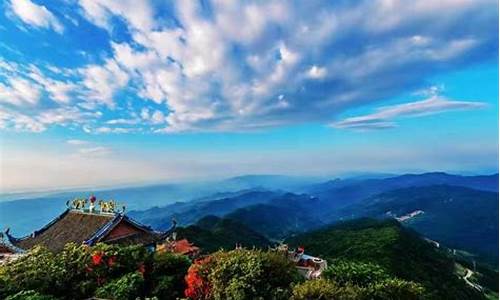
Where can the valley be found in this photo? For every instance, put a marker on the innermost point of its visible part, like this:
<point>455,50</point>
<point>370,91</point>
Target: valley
<point>428,228</point>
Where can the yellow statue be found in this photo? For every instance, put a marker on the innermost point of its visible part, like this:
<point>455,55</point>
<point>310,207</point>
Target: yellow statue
<point>78,203</point>
<point>107,206</point>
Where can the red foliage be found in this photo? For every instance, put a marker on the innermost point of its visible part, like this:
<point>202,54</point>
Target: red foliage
<point>197,286</point>
<point>100,266</point>
<point>97,258</point>
<point>111,261</point>
<point>142,268</point>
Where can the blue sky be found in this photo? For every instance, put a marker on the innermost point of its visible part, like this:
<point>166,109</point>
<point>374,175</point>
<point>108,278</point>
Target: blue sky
<point>101,92</point>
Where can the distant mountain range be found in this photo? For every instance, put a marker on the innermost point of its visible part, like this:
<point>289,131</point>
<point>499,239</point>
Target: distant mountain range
<point>460,217</point>
<point>276,206</point>
<point>336,194</point>
<point>459,212</point>
<point>464,222</point>
<point>189,212</point>
<point>33,210</point>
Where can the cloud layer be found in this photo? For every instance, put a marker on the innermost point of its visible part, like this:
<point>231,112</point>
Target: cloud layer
<point>35,15</point>
<point>237,66</point>
<point>385,116</point>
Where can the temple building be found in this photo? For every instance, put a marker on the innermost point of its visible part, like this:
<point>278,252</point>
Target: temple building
<point>87,225</point>
<point>182,246</point>
<point>308,266</point>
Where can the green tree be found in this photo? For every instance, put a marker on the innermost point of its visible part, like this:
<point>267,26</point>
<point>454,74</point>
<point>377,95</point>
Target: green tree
<point>324,289</point>
<point>38,271</point>
<point>167,275</point>
<point>394,289</point>
<point>127,287</point>
<point>357,273</point>
<point>29,295</point>
<point>78,271</point>
<point>345,279</point>
<point>246,274</point>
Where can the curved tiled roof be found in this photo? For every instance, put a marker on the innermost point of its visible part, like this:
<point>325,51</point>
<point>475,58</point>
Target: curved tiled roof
<point>71,226</point>
<point>89,228</point>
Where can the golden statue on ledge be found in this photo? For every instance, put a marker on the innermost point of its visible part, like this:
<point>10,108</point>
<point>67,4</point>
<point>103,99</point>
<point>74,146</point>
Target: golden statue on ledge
<point>107,206</point>
<point>78,203</point>
<point>110,206</point>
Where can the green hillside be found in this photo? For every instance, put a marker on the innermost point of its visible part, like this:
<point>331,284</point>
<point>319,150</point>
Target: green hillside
<point>398,250</point>
<point>212,233</point>
<point>273,221</point>
<point>458,217</point>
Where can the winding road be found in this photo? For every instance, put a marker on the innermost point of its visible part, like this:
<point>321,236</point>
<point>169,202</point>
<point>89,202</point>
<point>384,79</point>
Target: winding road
<point>474,285</point>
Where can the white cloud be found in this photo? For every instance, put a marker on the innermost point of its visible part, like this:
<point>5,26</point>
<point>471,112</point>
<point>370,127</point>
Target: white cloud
<point>224,65</point>
<point>35,15</point>
<point>122,122</point>
<point>102,82</point>
<point>21,122</point>
<point>145,113</point>
<point>62,116</point>
<point>19,91</point>
<point>385,116</point>
<point>86,149</point>
<point>433,90</point>
<point>105,129</point>
<point>94,151</point>
<point>316,72</point>
<point>59,91</point>
<point>77,142</point>
<point>279,48</point>
<point>158,117</point>
<point>138,14</point>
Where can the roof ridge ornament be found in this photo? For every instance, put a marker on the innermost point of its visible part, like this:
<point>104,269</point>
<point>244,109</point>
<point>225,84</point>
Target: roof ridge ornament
<point>77,203</point>
<point>105,207</point>
<point>110,206</point>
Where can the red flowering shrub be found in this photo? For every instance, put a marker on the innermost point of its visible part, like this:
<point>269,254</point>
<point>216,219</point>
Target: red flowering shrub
<point>100,265</point>
<point>241,274</point>
<point>197,284</point>
<point>81,272</point>
<point>111,261</point>
<point>97,257</point>
<point>141,269</point>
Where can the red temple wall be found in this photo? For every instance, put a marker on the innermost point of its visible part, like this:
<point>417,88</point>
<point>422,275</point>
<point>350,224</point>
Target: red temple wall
<point>122,229</point>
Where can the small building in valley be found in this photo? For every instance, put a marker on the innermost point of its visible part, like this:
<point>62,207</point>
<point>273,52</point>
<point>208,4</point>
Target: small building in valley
<point>308,266</point>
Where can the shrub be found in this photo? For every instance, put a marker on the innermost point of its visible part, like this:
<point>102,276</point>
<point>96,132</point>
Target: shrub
<point>77,271</point>
<point>74,260</point>
<point>357,273</point>
<point>168,275</point>
<point>375,282</point>
<point>29,295</point>
<point>389,289</point>
<point>38,271</point>
<point>241,274</point>
<point>324,289</point>
<point>197,282</point>
<point>129,286</point>
<point>113,260</point>
<point>394,289</point>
